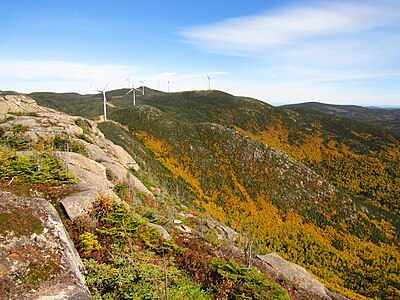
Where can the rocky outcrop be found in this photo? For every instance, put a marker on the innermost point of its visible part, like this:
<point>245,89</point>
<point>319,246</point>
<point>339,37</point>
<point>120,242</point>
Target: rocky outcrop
<point>306,284</point>
<point>17,104</point>
<point>101,156</point>
<point>37,258</point>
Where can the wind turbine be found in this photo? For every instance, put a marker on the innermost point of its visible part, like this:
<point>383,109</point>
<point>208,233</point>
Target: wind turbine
<point>133,90</point>
<point>209,81</point>
<point>168,86</point>
<point>104,101</point>
<point>142,82</point>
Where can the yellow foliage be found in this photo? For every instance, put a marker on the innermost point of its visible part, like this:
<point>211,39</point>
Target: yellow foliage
<point>162,151</point>
<point>329,253</point>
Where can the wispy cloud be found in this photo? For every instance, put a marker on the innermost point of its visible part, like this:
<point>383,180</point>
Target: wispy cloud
<point>326,50</point>
<point>59,70</point>
<point>259,33</point>
<point>30,76</point>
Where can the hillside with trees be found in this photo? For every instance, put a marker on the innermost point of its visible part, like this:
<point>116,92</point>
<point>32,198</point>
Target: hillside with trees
<point>321,190</point>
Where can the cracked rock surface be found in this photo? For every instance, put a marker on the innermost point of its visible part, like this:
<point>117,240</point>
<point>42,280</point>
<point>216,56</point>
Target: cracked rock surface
<point>37,258</point>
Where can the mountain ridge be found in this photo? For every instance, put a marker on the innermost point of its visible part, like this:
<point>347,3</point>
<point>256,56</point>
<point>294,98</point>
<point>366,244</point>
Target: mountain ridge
<point>387,118</point>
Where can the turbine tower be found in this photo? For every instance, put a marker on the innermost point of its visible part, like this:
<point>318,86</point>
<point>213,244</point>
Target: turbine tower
<point>209,82</point>
<point>104,100</point>
<point>142,82</point>
<point>133,90</point>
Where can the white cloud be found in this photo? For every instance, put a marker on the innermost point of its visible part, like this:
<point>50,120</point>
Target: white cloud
<point>28,76</point>
<point>260,33</point>
<point>59,70</point>
<point>63,76</point>
<point>344,51</point>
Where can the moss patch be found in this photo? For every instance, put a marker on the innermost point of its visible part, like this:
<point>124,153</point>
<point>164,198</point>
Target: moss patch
<point>20,222</point>
<point>39,272</point>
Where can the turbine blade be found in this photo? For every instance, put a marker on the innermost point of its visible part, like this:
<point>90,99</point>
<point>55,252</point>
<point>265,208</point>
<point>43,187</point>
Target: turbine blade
<point>106,86</point>
<point>129,91</point>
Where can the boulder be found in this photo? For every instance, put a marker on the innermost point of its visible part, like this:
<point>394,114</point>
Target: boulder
<point>309,286</point>
<point>163,232</point>
<point>137,185</point>
<point>38,260</point>
<point>88,171</point>
<point>123,157</point>
<point>81,203</point>
<point>229,232</point>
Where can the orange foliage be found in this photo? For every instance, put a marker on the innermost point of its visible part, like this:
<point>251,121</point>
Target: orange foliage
<point>162,151</point>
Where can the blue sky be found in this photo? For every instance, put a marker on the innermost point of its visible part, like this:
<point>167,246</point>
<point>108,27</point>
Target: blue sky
<point>345,52</point>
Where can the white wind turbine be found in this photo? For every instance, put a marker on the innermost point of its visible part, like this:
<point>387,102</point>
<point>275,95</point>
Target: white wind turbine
<point>104,101</point>
<point>209,81</point>
<point>133,90</point>
<point>142,82</point>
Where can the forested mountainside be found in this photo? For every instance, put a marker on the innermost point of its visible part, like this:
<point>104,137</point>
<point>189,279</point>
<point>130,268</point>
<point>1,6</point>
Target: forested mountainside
<point>59,172</point>
<point>321,190</point>
<point>388,118</point>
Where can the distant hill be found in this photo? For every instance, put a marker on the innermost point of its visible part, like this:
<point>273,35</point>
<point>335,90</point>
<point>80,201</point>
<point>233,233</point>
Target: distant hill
<point>387,118</point>
<point>89,105</point>
<point>320,189</point>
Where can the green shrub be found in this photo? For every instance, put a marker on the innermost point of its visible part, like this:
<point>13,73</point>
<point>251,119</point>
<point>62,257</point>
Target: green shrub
<point>34,168</point>
<point>122,189</point>
<point>18,128</point>
<point>143,266</point>
<point>8,118</point>
<point>66,144</point>
<point>85,138</point>
<point>29,114</point>
<point>89,242</point>
<point>14,139</point>
<point>237,282</point>
<point>110,174</point>
<point>84,125</point>
<point>140,280</point>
